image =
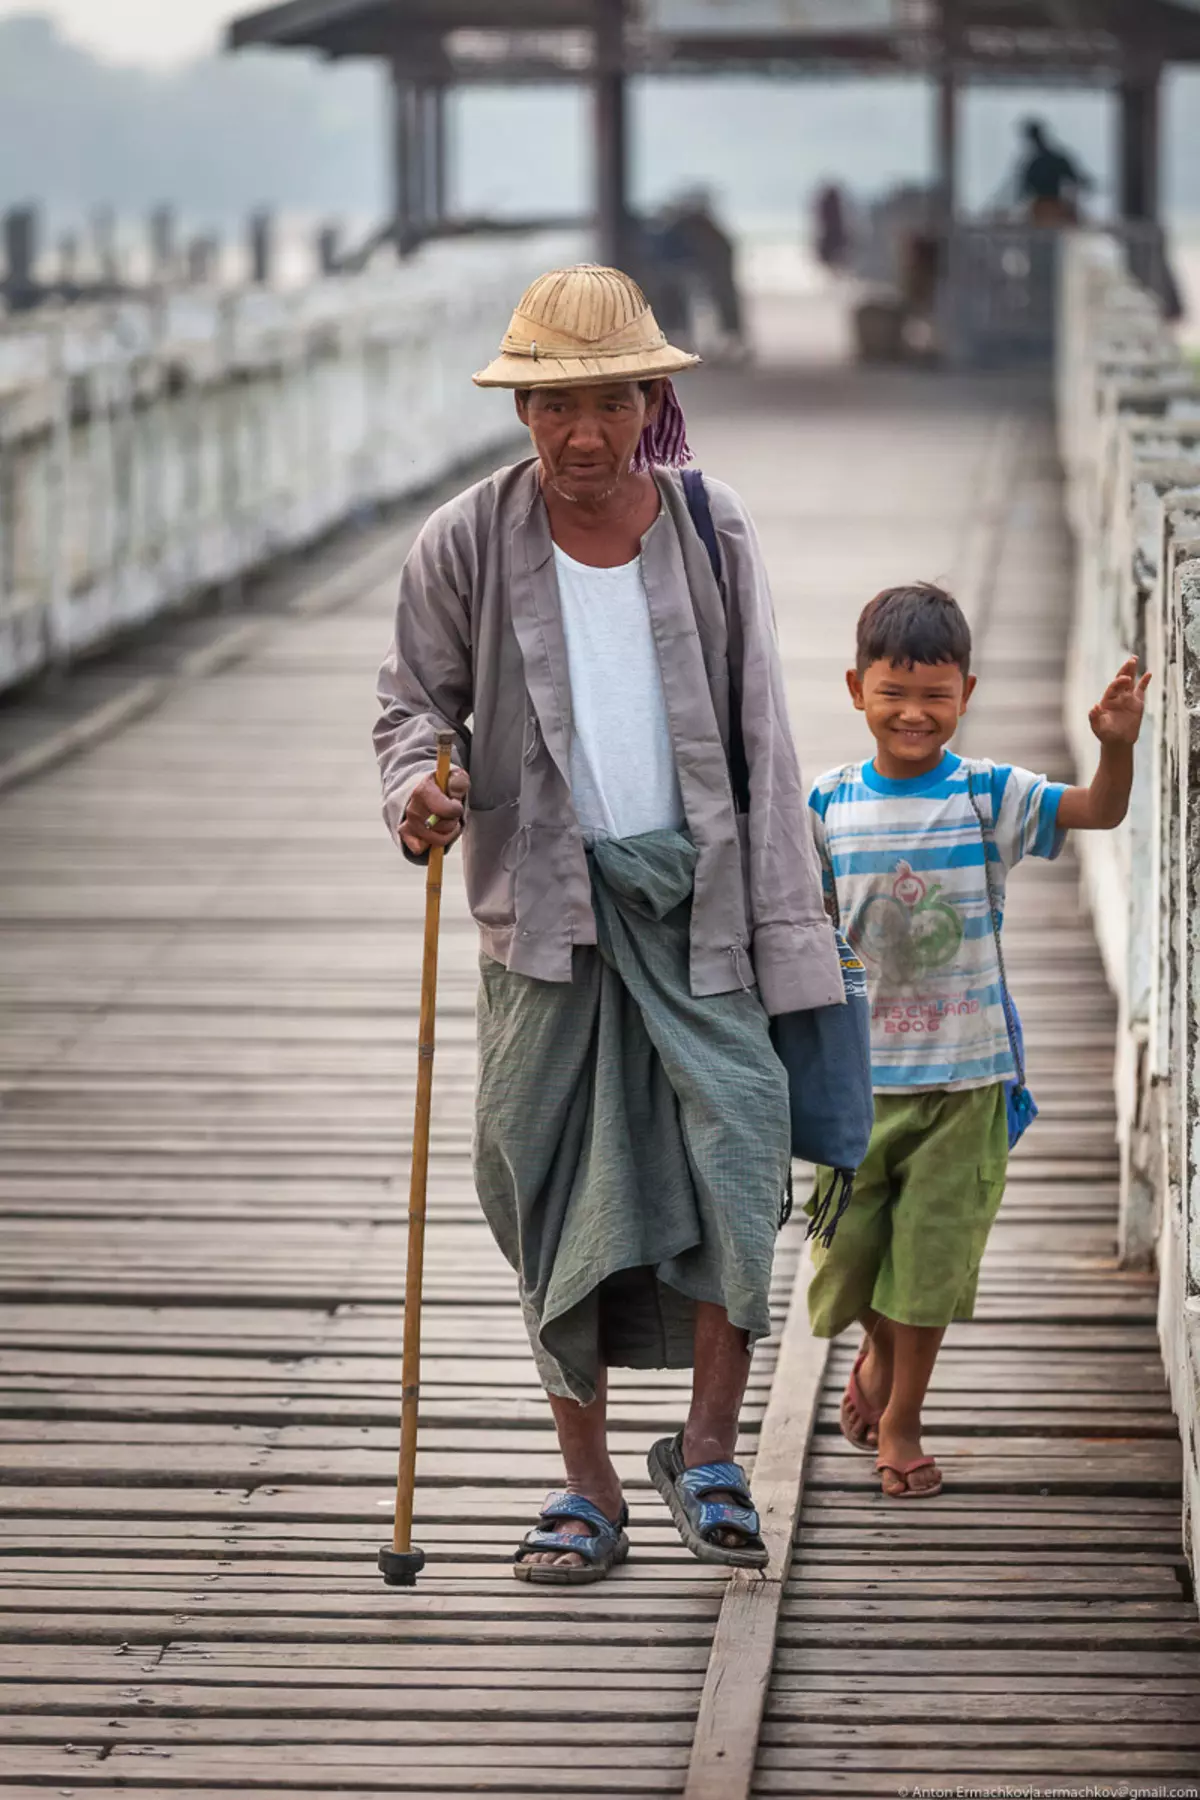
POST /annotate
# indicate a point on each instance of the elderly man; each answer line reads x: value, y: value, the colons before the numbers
x: 638, y: 859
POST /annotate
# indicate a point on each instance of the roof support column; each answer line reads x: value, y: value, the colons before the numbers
x: 408, y: 161
x: 946, y: 173
x: 611, y: 134
x: 435, y: 154
x: 1139, y: 144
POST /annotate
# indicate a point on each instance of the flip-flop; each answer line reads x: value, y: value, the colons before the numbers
x: 862, y: 1406
x: 696, y: 1518
x: 904, y: 1470
x: 607, y: 1545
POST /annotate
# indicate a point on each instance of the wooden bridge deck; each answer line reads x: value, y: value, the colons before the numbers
x: 208, y: 974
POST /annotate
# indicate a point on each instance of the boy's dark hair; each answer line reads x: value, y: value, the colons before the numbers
x: 920, y: 623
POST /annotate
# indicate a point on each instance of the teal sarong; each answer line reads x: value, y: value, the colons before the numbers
x: 632, y: 1141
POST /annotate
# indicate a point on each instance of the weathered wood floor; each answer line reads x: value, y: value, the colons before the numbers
x: 208, y: 966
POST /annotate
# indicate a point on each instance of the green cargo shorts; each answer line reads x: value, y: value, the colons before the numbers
x: 910, y: 1243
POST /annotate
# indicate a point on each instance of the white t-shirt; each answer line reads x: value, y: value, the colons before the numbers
x: 906, y: 862
x: 623, y: 777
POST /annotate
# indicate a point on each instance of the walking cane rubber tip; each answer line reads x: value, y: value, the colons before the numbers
x: 400, y: 1568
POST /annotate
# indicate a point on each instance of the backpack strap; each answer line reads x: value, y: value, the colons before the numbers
x: 987, y: 833
x: 696, y: 495
x: 700, y: 509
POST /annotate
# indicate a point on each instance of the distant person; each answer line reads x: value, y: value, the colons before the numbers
x: 831, y: 237
x: 916, y: 844
x: 661, y: 265
x: 1049, y: 183
x: 693, y: 239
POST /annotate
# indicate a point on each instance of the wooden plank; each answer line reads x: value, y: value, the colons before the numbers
x: 743, y: 1647
x: 481, y: 1699
x: 428, y: 1735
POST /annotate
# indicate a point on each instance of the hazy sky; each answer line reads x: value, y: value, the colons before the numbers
x: 145, y: 31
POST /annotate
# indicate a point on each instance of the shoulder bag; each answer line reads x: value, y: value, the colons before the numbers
x: 827, y: 1049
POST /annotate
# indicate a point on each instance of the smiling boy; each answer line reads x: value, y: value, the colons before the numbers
x: 915, y: 846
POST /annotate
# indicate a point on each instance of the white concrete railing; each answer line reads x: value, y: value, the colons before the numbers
x: 1129, y: 429
x: 150, y: 450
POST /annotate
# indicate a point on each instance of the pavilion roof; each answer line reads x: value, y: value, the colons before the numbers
x: 512, y: 40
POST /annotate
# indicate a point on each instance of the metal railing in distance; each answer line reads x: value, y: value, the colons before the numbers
x: 1128, y: 406
x: 998, y: 300
x: 154, y: 449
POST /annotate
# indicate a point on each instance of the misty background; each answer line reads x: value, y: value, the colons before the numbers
x: 216, y: 135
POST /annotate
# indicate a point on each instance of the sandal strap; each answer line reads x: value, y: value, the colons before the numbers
x: 592, y: 1549
x: 719, y: 1515
x: 711, y: 1516
x: 869, y: 1414
x: 712, y: 1478
x: 904, y: 1470
x: 566, y: 1505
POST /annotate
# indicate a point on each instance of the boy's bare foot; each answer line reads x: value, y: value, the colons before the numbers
x: 867, y: 1394
x: 898, y: 1449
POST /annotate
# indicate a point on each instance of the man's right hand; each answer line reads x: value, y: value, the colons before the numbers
x: 448, y: 810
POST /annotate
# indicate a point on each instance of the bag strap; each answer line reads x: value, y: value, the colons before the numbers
x: 987, y: 834
x: 832, y: 896
x: 696, y: 495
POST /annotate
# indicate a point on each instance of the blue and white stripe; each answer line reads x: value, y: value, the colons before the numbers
x: 906, y: 861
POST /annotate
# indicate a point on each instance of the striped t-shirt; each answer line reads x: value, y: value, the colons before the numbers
x: 906, y: 862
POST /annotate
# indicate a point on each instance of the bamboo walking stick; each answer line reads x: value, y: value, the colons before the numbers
x: 401, y: 1564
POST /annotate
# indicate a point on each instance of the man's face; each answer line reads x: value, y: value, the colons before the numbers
x: 911, y: 713
x: 586, y: 437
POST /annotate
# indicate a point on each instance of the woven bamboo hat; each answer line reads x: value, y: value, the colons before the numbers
x: 579, y: 327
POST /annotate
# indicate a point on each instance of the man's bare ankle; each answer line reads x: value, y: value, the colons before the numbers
x: 604, y: 1492
x: 702, y: 1445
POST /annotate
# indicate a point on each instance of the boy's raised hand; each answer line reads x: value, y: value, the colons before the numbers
x: 1116, y: 720
x: 1117, y: 716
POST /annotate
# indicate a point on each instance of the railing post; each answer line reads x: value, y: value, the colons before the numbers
x: 20, y: 257
x: 56, y: 519
x: 262, y: 248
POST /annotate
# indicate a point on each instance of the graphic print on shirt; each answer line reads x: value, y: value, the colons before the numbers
x: 908, y: 931
x: 907, y: 864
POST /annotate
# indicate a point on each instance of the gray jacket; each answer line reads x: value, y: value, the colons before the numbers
x: 479, y: 638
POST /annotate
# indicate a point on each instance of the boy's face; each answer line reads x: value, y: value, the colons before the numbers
x: 911, y: 713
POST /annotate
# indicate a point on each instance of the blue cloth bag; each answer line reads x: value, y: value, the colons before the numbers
x: 1019, y: 1103
x: 826, y: 1051
x: 827, y: 1055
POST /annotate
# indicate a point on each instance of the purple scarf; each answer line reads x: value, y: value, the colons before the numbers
x: 664, y: 442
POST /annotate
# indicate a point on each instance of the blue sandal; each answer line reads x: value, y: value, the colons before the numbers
x: 698, y: 1519
x: 602, y: 1551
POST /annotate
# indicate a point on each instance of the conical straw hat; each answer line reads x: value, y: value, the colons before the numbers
x: 581, y: 326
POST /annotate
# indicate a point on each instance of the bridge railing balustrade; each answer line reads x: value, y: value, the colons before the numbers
x: 1128, y: 403
x: 158, y: 448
